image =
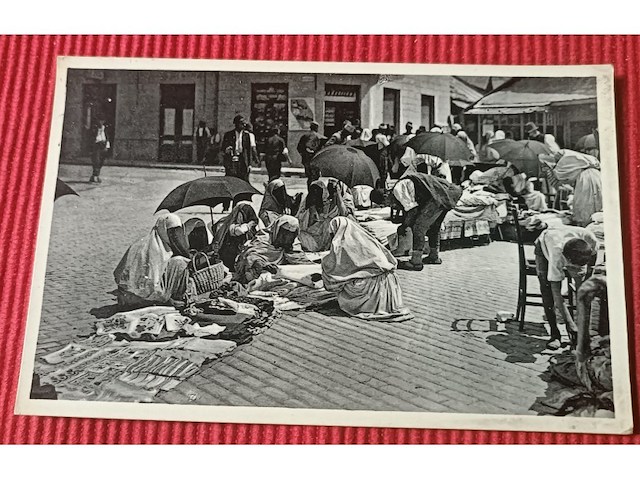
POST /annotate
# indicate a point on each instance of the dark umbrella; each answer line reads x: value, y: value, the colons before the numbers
x: 347, y: 164
x: 63, y: 189
x: 442, y: 145
x: 523, y: 154
x: 397, y: 146
x: 209, y: 191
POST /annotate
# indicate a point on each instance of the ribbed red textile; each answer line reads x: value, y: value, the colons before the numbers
x: 27, y: 70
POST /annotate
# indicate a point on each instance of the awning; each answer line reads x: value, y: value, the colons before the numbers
x: 510, y: 110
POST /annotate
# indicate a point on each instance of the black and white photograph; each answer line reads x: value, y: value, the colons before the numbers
x: 396, y: 245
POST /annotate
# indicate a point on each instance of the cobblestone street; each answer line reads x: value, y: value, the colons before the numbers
x: 452, y: 357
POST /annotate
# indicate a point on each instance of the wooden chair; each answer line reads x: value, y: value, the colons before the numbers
x: 527, y: 268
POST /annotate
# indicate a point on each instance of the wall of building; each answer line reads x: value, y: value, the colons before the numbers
x: 219, y: 96
x: 137, y: 122
x: 411, y: 90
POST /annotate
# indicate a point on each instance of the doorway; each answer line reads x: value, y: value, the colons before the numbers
x: 391, y: 107
x: 177, y: 102
x: 427, y: 107
x: 98, y: 103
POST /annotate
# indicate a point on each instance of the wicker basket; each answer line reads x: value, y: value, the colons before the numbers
x: 206, y: 279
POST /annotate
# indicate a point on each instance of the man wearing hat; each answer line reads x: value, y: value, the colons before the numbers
x: 236, y: 145
x: 341, y: 137
x: 310, y: 143
x: 534, y: 134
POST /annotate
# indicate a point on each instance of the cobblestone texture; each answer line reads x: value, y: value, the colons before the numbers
x: 452, y: 357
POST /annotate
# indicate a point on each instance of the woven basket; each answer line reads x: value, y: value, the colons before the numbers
x: 206, y: 279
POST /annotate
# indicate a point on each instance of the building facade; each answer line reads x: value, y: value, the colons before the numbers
x: 151, y: 116
x: 565, y: 107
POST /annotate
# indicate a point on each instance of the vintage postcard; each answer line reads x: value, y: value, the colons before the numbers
x: 396, y: 245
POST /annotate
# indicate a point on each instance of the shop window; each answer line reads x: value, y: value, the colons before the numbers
x: 341, y: 102
x: 269, y: 107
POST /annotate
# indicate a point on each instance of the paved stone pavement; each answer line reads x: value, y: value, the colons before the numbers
x: 452, y: 357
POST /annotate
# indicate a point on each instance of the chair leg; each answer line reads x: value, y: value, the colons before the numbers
x: 523, y: 303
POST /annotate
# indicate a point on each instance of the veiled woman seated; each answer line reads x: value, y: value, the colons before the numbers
x: 233, y: 231
x: 327, y: 199
x: 277, y: 202
x: 154, y: 269
x: 276, y: 246
x: 363, y: 274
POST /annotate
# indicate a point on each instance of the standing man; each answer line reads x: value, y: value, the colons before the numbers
x: 426, y: 199
x: 236, y: 145
x: 561, y: 250
x: 202, y: 137
x: 275, y: 152
x: 310, y: 143
x: 99, y: 149
x: 341, y: 136
x: 534, y: 134
x: 408, y: 129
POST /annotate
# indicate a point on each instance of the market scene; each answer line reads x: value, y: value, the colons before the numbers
x: 359, y: 242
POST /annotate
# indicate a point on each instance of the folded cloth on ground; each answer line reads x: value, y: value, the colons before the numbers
x: 149, y: 320
x: 309, y: 275
x: 198, y: 331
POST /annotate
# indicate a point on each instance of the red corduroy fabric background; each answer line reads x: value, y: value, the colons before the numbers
x: 27, y: 74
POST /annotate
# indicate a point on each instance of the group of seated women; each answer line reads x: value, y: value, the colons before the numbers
x: 155, y: 269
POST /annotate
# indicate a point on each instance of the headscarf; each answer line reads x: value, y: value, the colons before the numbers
x: 242, y: 212
x: 269, y: 202
x: 354, y: 254
x: 197, y: 233
x: 499, y: 135
x: 285, y: 222
x: 141, y: 269
x: 582, y: 171
x: 571, y: 164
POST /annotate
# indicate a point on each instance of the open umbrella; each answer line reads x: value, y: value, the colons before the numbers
x: 442, y: 145
x: 209, y: 191
x: 347, y: 164
x: 63, y: 189
x: 523, y: 154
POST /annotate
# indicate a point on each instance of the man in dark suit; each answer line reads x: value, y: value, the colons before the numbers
x: 236, y: 145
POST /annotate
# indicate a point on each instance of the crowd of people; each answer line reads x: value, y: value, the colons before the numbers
x: 355, y: 264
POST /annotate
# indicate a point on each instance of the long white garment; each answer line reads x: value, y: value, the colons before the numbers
x: 142, y: 267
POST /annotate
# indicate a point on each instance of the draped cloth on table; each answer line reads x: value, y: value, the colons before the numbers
x: 271, y: 208
x: 262, y: 251
x: 142, y: 270
x: 314, y: 225
x: 582, y: 172
x: 362, y: 273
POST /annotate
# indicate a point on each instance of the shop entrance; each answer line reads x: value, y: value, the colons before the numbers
x: 177, y: 102
x: 341, y: 102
